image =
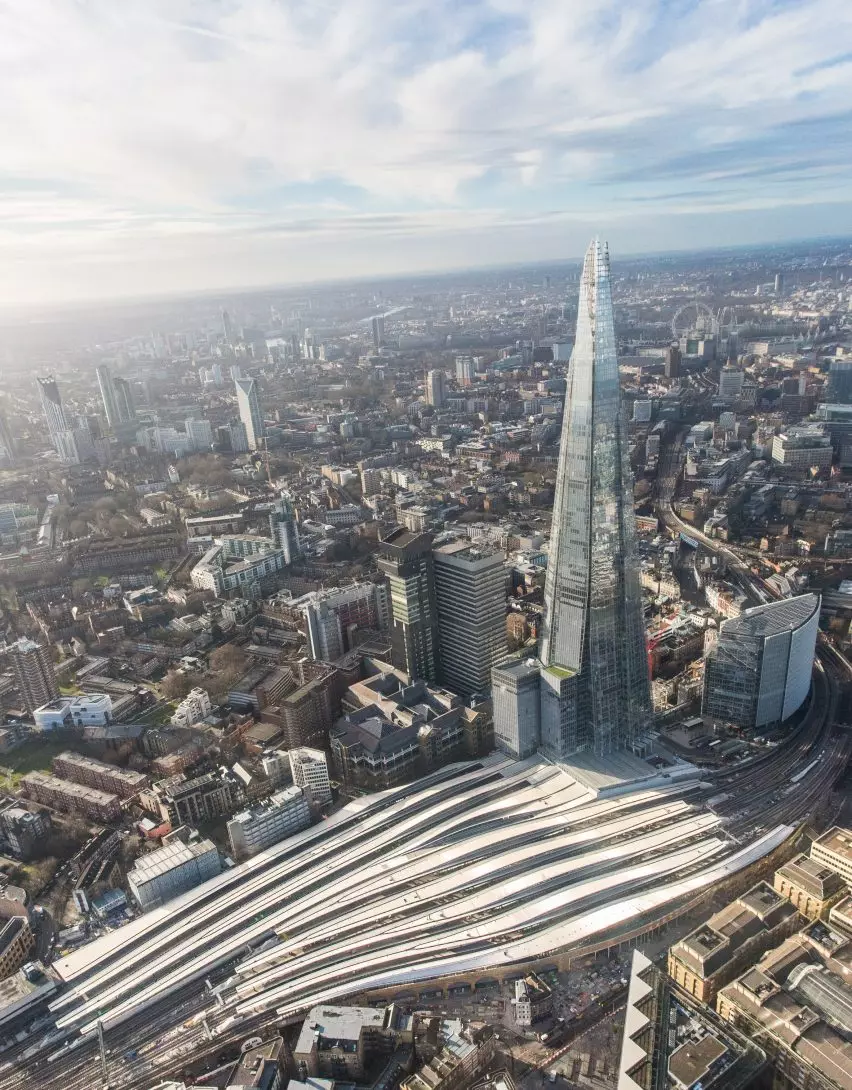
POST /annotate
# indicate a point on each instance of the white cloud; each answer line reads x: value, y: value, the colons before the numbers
x: 219, y: 119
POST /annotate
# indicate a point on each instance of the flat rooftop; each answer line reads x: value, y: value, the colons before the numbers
x: 837, y: 840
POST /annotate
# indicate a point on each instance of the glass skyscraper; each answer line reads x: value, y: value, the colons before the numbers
x: 595, y: 689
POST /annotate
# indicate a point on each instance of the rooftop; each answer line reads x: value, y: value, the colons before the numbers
x: 773, y: 618
x: 837, y: 840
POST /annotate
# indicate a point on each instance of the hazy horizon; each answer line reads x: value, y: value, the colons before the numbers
x: 182, y: 147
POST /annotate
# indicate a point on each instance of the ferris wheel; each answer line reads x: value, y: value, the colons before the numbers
x: 693, y: 317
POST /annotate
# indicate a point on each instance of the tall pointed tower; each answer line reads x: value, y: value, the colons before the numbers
x: 595, y: 691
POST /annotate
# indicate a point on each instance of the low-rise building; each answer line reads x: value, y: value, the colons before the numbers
x: 123, y: 782
x: 710, y: 957
x: 533, y: 1000
x: 284, y: 813
x: 67, y: 712
x: 811, y: 887
x: 16, y: 945
x: 834, y: 850
x: 71, y: 798
x: 171, y: 870
x: 182, y: 801
x: 340, y: 1042
x: 23, y: 831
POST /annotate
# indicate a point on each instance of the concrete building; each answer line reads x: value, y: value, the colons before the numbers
x: 72, y: 798
x: 194, y: 707
x: 533, y: 1000
x: 171, y: 870
x: 309, y: 769
x: 759, y: 671
x: 193, y: 801
x: 470, y: 596
x: 16, y: 945
x: 516, y: 694
x: 67, y: 712
x: 334, y: 617
x: 436, y: 389
x: 340, y: 1042
x: 237, y: 562
x: 199, y: 434
x: 797, y: 1002
x: 834, y: 850
x: 284, y: 813
x: 406, y: 559
x: 803, y: 447
x: 809, y: 886
x: 713, y: 954
x: 23, y: 831
x: 35, y: 674
x: 123, y: 782
x: 304, y: 716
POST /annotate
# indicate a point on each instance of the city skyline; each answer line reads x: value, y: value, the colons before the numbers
x: 393, y: 162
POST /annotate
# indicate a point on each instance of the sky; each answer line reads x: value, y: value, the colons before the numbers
x: 157, y: 146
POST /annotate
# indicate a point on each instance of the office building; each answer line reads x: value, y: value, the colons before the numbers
x: 158, y: 876
x: 378, y: 330
x: 309, y: 769
x: 284, y: 529
x: 810, y: 886
x: 713, y: 954
x: 235, y: 436
x: 67, y: 712
x: 124, y: 400
x: 304, y: 716
x: 470, y: 596
x: 731, y: 383
x: 199, y: 434
x: 796, y: 1002
x: 182, y: 801
x: 340, y: 1042
x: 51, y: 404
x: 803, y: 447
x: 35, y: 674
x: 834, y: 850
x: 436, y: 389
x: 227, y: 327
x: 194, y: 707
x: 672, y: 362
x: 595, y: 688
x: 251, y: 416
x: 123, y: 782
x: 108, y: 396
x: 516, y: 694
x: 7, y: 443
x: 759, y: 671
x: 334, y: 617
x: 284, y: 813
x: 839, y: 389
x: 406, y: 559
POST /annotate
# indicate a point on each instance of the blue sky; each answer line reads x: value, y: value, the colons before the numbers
x: 151, y: 146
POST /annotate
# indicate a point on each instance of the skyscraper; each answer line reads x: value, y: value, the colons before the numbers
x: 7, y: 443
x: 248, y: 403
x: 406, y: 560
x: 227, y: 327
x: 35, y: 674
x: 470, y: 594
x: 124, y: 400
x: 839, y: 391
x: 51, y: 403
x: 378, y: 327
x: 108, y: 396
x: 436, y: 389
x: 594, y: 685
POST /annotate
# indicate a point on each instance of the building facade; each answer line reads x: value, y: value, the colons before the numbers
x: 284, y: 813
x: 309, y: 769
x: 759, y: 671
x: 406, y: 559
x: 35, y: 674
x: 251, y: 415
x: 470, y: 596
x: 171, y: 870
x: 595, y: 686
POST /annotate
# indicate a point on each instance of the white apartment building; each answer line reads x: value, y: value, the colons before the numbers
x: 310, y: 772
x: 194, y: 707
x: 284, y: 813
x: 88, y: 710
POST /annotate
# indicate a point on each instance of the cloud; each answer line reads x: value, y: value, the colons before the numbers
x: 162, y: 120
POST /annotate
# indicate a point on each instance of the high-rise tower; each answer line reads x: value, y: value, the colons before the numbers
x: 406, y: 559
x: 108, y: 395
x: 595, y: 692
x: 248, y: 403
x: 593, y: 672
x: 35, y: 674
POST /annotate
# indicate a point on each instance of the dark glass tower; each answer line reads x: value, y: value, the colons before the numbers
x: 595, y: 692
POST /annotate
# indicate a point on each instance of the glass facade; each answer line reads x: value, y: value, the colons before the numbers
x: 595, y: 684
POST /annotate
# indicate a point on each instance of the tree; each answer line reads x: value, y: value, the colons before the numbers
x: 227, y: 658
x: 175, y: 686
